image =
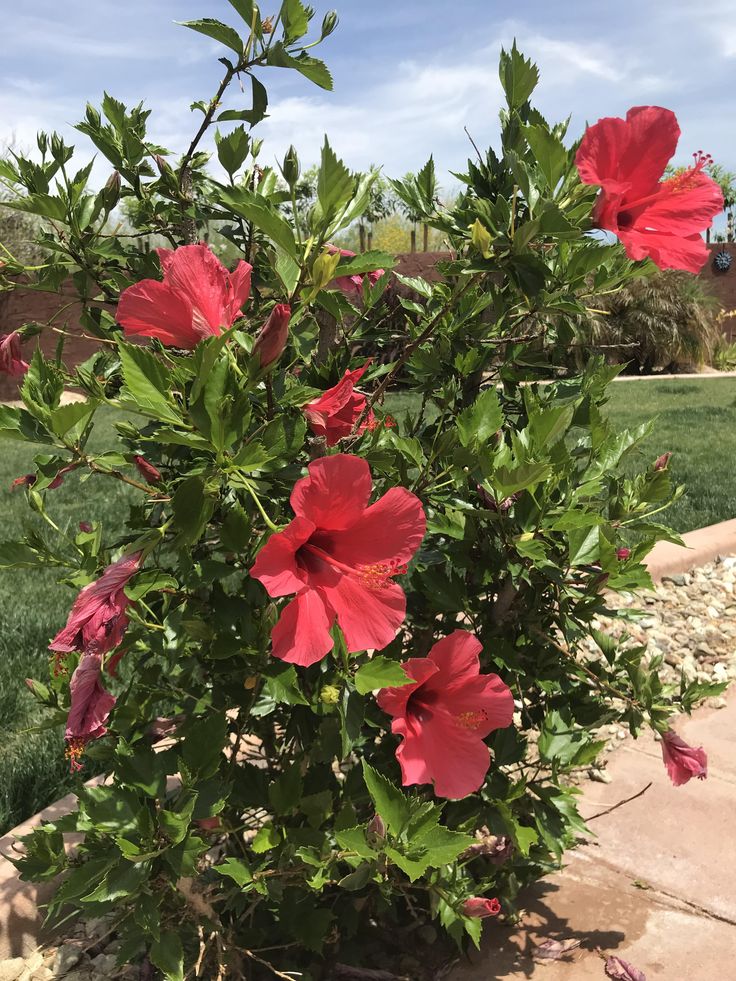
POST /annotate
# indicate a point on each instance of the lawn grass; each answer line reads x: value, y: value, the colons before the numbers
x: 33, y: 771
x: 696, y: 421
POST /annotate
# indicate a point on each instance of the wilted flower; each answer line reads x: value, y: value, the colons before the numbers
x: 336, y: 411
x: 91, y: 705
x: 480, y: 908
x: 353, y: 284
x: 620, y: 970
x: 147, y: 470
x: 11, y: 358
x: 682, y: 761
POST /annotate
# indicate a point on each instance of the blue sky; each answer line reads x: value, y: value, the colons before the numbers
x: 409, y: 74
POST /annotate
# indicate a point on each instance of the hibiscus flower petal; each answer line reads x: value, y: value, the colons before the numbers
x: 91, y: 703
x: 336, y: 492
x: 240, y: 288
x: 276, y: 565
x: 635, y: 150
x: 153, y: 309
x: 390, y: 529
x: 369, y: 618
x: 198, y: 276
x: 393, y: 701
x: 302, y: 634
x: 438, y: 751
x: 685, y: 252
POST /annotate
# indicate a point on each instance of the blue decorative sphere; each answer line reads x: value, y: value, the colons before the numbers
x: 723, y: 260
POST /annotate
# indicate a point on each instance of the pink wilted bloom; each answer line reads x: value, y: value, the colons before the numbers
x: 11, y: 357
x: 654, y: 218
x: 147, y: 470
x: 480, y: 908
x: 353, y: 284
x: 682, y: 761
x: 336, y: 411
x: 622, y: 554
x: 97, y: 621
x: 198, y: 298
x: 90, y: 708
x: 620, y: 970
x: 662, y: 462
x: 272, y: 337
x: 445, y: 716
x: 339, y: 555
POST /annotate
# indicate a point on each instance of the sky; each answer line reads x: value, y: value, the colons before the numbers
x: 408, y: 74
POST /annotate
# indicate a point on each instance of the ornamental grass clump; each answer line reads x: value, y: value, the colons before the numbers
x: 333, y: 656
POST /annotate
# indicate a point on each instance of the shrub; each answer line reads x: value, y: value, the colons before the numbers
x: 330, y: 718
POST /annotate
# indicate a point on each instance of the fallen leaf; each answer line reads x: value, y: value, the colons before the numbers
x: 554, y: 950
x: 621, y: 970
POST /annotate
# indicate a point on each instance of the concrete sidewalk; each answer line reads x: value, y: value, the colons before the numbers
x: 657, y: 887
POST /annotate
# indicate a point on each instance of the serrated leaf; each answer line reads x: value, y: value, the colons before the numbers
x: 481, y: 420
x: 263, y: 215
x: 388, y: 800
x: 146, y: 383
x: 236, y: 869
x: 167, y: 955
x: 217, y: 31
x: 379, y: 672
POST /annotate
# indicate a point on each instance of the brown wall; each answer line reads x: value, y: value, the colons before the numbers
x: 722, y: 284
x: 22, y: 306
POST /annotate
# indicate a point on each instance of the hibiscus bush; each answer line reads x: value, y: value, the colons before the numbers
x: 336, y: 657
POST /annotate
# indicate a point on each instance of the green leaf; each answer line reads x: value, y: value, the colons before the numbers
x: 204, y: 743
x: 167, y: 955
x: 285, y: 791
x: 266, y: 839
x: 150, y: 581
x: 295, y: 19
x: 259, y: 101
x: 71, y: 419
x: 283, y: 686
x: 236, y: 869
x: 368, y: 262
x: 352, y: 714
x: 263, y: 215
x: 518, y: 75
x: 354, y: 840
x: 146, y: 383
x: 312, y: 68
x: 549, y: 152
x: 388, y: 800
x: 335, y: 183
x: 232, y: 149
x: 359, y: 878
x: 443, y: 845
x: 480, y: 421
x: 192, y: 509
x: 379, y: 672
x: 217, y: 31
x: 245, y: 9
x: 583, y: 546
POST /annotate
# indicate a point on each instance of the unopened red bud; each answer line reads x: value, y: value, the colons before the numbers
x: 147, y: 470
x: 272, y: 337
x: 661, y: 462
x: 479, y: 908
x: 377, y: 827
x: 622, y: 554
x: 85, y: 526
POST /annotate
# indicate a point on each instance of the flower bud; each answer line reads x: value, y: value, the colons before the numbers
x: 622, y: 554
x: 42, y: 143
x: 330, y: 695
x: 111, y: 191
x: 85, y: 527
x: 147, y: 470
x: 163, y: 167
x: 662, y: 461
x: 377, y: 826
x: 329, y: 24
x: 481, y: 238
x: 291, y: 167
x: 93, y: 116
x: 271, y: 340
x: 478, y: 908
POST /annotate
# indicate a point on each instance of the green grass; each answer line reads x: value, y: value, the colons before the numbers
x: 33, y: 771
x: 696, y: 422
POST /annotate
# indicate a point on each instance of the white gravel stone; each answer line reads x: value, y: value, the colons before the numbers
x: 12, y: 969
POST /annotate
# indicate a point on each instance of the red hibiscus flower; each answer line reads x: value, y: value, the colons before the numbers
x: 445, y: 716
x: 11, y: 358
x: 682, y: 761
x: 336, y: 411
x: 353, y: 284
x: 653, y: 218
x: 91, y: 705
x: 480, y: 908
x: 198, y: 298
x: 97, y: 621
x: 339, y: 556
x: 272, y: 337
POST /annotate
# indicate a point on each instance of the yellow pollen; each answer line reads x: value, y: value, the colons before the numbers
x: 379, y: 575
x: 472, y: 720
x: 73, y: 752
